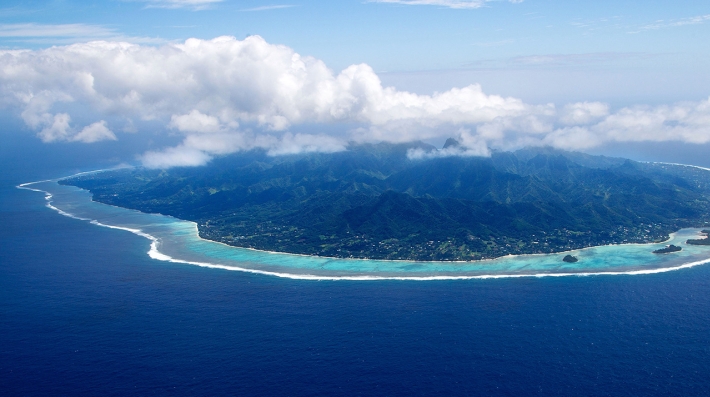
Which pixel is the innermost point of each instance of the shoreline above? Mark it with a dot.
(197, 234)
(678, 164)
(154, 252)
(670, 237)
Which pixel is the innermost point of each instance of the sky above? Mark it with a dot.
(187, 80)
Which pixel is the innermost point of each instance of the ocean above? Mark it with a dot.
(176, 240)
(85, 311)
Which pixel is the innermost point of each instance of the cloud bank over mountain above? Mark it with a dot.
(225, 95)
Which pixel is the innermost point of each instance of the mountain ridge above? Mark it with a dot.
(373, 201)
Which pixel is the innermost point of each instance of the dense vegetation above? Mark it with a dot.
(701, 241)
(669, 249)
(372, 201)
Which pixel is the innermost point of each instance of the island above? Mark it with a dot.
(413, 201)
(700, 241)
(668, 249)
(570, 259)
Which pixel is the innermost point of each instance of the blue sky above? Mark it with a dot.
(601, 38)
(622, 54)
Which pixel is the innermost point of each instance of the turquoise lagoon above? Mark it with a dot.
(177, 241)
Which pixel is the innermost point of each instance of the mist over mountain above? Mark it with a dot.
(410, 201)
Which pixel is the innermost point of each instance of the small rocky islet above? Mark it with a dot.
(668, 249)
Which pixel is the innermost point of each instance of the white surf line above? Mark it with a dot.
(154, 253)
(118, 167)
(678, 164)
(24, 185)
(48, 196)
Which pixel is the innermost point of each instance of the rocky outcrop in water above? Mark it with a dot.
(668, 250)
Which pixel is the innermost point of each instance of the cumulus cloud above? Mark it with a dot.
(94, 133)
(572, 138)
(209, 88)
(226, 95)
(687, 122)
(198, 150)
(583, 112)
(56, 128)
(180, 156)
(306, 143)
(195, 121)
(467, 145)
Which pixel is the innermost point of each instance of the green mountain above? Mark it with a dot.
(373, 201)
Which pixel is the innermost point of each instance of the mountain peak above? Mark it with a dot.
(451, 142)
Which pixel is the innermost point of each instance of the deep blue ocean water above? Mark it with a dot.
(84, 311)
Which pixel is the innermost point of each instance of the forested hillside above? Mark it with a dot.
(373, 201)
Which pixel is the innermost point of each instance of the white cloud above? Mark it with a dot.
(213, 86)
(458, 4)
(687, 122)
(695, 20)
(548, 61)
(62, 30)
(572, 138)
(192, 4)
(56, 129)
(65, 34)
(268, 8)
(306, 143)
(225, 95)
(583, 112)
(199, 149)
(180, 156)
(195, 121)
(469, 145)
(94, 133)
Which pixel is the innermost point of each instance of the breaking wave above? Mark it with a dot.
(302, 267)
